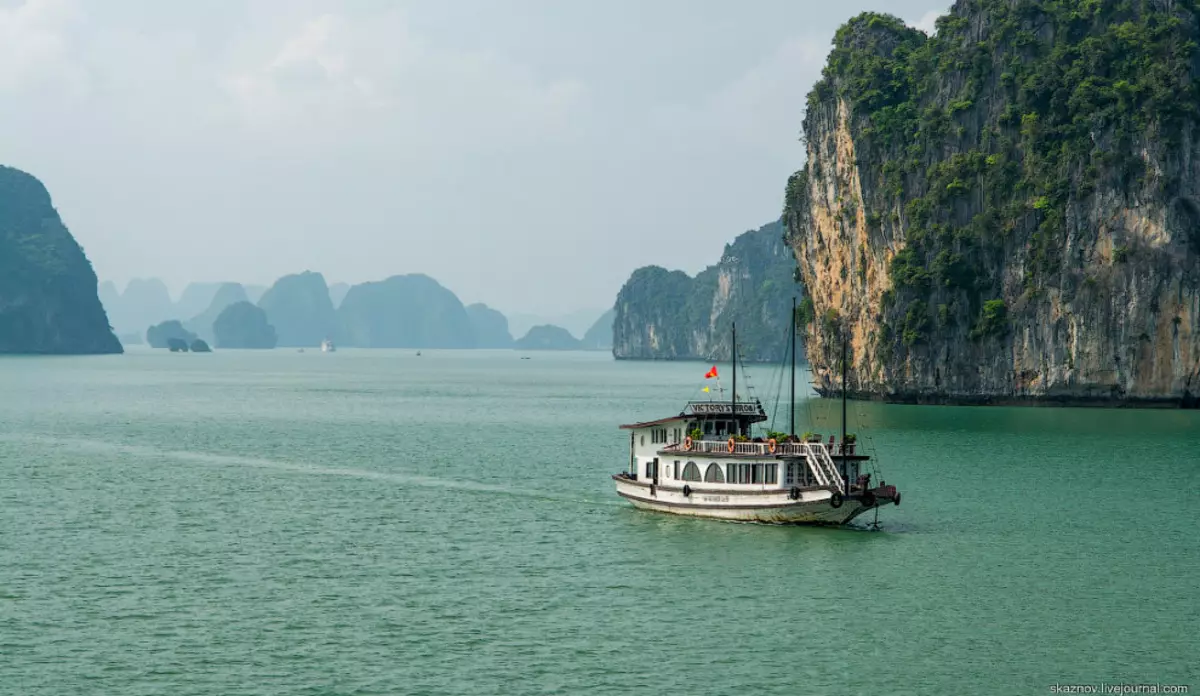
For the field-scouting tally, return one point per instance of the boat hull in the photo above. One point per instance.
(814, 507)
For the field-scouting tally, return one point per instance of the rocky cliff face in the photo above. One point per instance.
(48, 290)
(667, 315)
(1008, 211)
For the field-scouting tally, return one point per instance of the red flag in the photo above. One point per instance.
(711, 373)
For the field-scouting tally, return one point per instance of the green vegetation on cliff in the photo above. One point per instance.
(48, 290)
(661, 314)
(996, 171)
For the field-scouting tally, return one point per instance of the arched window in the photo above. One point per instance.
(713, 474)
(691, 472)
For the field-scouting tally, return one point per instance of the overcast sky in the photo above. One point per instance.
(526, 153)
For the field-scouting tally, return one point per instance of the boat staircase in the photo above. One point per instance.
(822, 466)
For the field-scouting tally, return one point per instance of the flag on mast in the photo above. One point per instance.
(711, 373)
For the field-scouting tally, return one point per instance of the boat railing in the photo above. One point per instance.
(760, 449)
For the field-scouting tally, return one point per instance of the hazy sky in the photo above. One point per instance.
(526, 153)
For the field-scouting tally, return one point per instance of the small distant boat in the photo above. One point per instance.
(300, 351)
(418, 353)
(327, 346)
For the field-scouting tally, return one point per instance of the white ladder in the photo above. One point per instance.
(822, 466)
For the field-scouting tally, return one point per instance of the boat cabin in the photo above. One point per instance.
(710, 443)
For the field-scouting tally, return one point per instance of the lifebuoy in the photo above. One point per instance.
(732, 445)
(794, 494)
(687, 491)
(868, 499)
(687, 442)
(835, 500)
(771, 445)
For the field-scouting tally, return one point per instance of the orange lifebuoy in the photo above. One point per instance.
(732, 445)
(687, 442)
(771, 445)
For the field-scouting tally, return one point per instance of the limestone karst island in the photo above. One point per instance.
(1007, 211)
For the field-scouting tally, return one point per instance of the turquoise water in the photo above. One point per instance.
(371, 522)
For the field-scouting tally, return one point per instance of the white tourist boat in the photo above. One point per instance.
(704, 463)
(327, 346)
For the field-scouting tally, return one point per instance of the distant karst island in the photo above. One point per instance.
(303, 310)
(668, 315)
(49, 296)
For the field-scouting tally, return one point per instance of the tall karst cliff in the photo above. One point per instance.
(668, 315)
(1008, 211)
(48, 290)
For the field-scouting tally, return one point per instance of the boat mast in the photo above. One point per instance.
(792, 384)
(734, 402)
(845, 464)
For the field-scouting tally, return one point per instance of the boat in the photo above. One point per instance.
(327, 346)
(704, 463)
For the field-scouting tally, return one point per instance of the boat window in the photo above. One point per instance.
(757, 472)
(744, 475)
(675, 474)
(643, 441)
(691, 472)
(771, 470)
(708, 428)
(720, 427)
(713, 474)
(789, 477)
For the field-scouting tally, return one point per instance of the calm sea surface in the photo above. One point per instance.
(373, 522)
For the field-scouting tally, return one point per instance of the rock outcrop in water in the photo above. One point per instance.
(1008, 211)
(661, 314)
(48, 290)
(243, 325)
(299, 308)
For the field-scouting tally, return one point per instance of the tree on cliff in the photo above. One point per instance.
(243, 325)
(48, 290)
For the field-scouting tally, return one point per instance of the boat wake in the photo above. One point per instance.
(228, 460)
